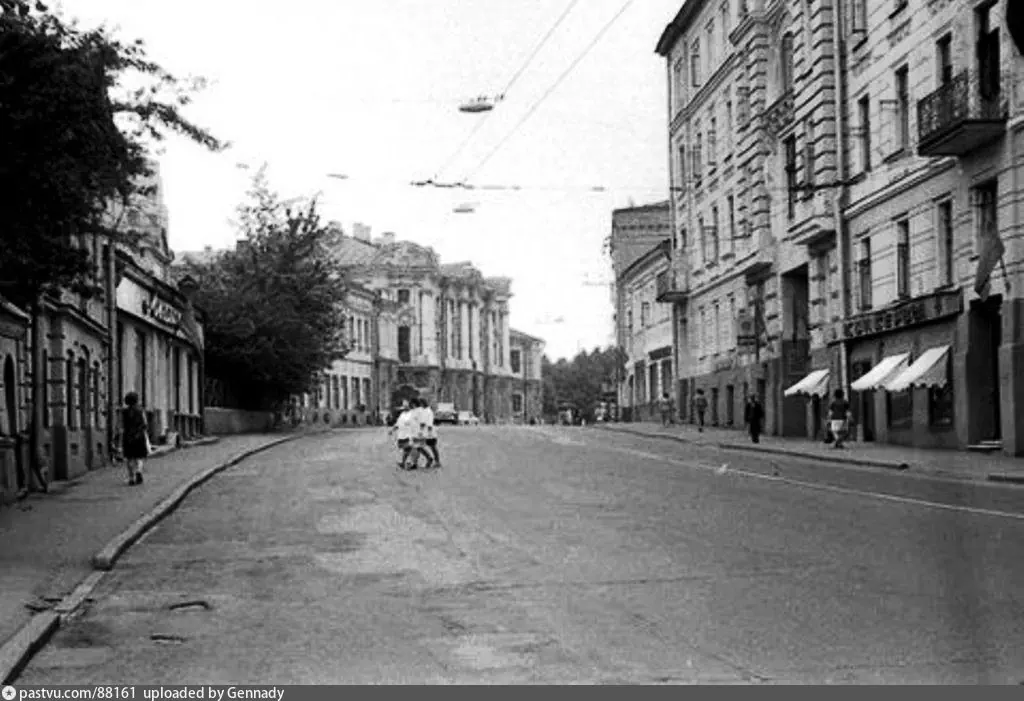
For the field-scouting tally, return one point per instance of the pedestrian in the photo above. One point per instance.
(839, 415)
(430, 433)
(666, 409)
(419, 421)
(135, 446)
(403, 431)
(700, 404)
(753, 415)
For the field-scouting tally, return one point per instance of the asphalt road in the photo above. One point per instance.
(559, 555)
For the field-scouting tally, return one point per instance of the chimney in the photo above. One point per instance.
(361, 232)
(386, 239)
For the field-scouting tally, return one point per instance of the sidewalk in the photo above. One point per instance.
(940, 463)
(47, 540)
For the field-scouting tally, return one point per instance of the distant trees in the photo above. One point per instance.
(579, 381)
(274, 305)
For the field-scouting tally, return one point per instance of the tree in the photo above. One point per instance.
(275, 305)
(74, 141)
(579, 382)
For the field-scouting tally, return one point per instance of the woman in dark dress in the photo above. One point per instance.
(134, 437)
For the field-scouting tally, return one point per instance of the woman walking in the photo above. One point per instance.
(134, 437)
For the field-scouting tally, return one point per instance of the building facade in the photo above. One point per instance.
(644, 333)
(752, 132)
(525, 361)
(450, 325)
(871, 183)
(16, 406)
(935, 222)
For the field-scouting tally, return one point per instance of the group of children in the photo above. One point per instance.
(416, 435)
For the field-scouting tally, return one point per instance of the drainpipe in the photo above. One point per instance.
(839, 195)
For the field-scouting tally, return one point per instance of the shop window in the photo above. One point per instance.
(940, 401)
(901, 409)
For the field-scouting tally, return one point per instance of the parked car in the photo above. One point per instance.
(466, 418)
(445, 414)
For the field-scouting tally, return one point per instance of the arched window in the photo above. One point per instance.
(97, 414)
(83, 392)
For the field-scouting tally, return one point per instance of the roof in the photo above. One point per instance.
(353, 251)
(643, 207)
(675, 28)
(526, 336)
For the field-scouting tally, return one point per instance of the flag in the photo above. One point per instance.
(991, 252)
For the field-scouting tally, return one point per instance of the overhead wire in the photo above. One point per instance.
(522, 68)
(536, 105)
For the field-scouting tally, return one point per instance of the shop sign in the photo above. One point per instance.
(917, 311)
(158, 310)
(746, 331)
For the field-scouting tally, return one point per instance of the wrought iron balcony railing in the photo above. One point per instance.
(963, 114)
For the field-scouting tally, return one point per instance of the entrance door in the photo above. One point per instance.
(714, 406)
(986, 337)
(730, 405)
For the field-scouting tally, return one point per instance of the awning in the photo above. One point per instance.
(878, 376)
(927, 371)
(815, 383)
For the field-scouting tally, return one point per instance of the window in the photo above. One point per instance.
(946, 250)
(681, 181)
(808, 156)
(712, 143)
(419, 323)
(366, 390)
(677, 85)
(824, 293)
(97, 413)
(718, 329)
(859, 19)
(940, 401)
(357, 399)
(903, 258)
(742, 106)
(786, 62)
(944, 59)
(517, 403)
(629, 320)
(703, 335)
(728, 130)
(83, 392)
(46, 388)
(515, 360)
(698, 146)
(903, 108)
(703, 240)
(714, 235)
(645, 314)
(864, 112)
(695, 72)
(725, 20)
(864, 273)
(730, 337)
(404, 351)
(901, 408)
(730, 234)
(790, 146)
(709, 40)
(403, 296)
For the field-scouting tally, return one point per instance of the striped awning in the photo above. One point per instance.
(814, 384)
(880, 375)
(929, 370)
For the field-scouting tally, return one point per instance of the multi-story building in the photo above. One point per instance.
(752, 133)
(451, 324)
(525, 362)
(640, 248)
(934, 220)
(16, 406)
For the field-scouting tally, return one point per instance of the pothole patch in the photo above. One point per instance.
(167, 639)
(188, 606)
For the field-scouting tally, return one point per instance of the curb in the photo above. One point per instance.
(105, 558)
(1005, 478)
(763, 450)
(19, 649)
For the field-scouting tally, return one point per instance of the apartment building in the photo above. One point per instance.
(640, 248)
(752, 133)
(934, 218)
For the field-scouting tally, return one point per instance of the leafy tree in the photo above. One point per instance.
(579, 381)
(274, 305)
(74, 141)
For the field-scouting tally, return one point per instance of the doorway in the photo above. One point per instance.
(730, 405)
(864, 406)
(983, 379)
(714, 406)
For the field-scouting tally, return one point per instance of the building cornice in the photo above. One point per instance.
(898, 187)
(679, 24)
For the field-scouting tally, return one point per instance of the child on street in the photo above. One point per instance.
(430, 432)
(404, 431)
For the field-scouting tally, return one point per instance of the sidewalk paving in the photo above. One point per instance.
(47, 540)
(936, 462)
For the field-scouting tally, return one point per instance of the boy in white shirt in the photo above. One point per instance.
(429, 432)
(420, 429)
(405, 430)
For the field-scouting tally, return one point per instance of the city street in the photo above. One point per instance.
(559, 555)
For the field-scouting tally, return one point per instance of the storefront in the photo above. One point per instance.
(160, 348)
(909, 380)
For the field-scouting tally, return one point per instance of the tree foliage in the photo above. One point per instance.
(579, 382)
(274, 305)
(74, 139)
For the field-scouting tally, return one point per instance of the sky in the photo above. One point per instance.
(371, 88)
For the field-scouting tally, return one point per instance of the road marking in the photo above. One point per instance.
(824, 487)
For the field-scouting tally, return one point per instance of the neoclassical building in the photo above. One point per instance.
(451, 335)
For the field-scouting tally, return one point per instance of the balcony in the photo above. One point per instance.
(956, 119)
(759, 261)
(779, 115)
(673, 285)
